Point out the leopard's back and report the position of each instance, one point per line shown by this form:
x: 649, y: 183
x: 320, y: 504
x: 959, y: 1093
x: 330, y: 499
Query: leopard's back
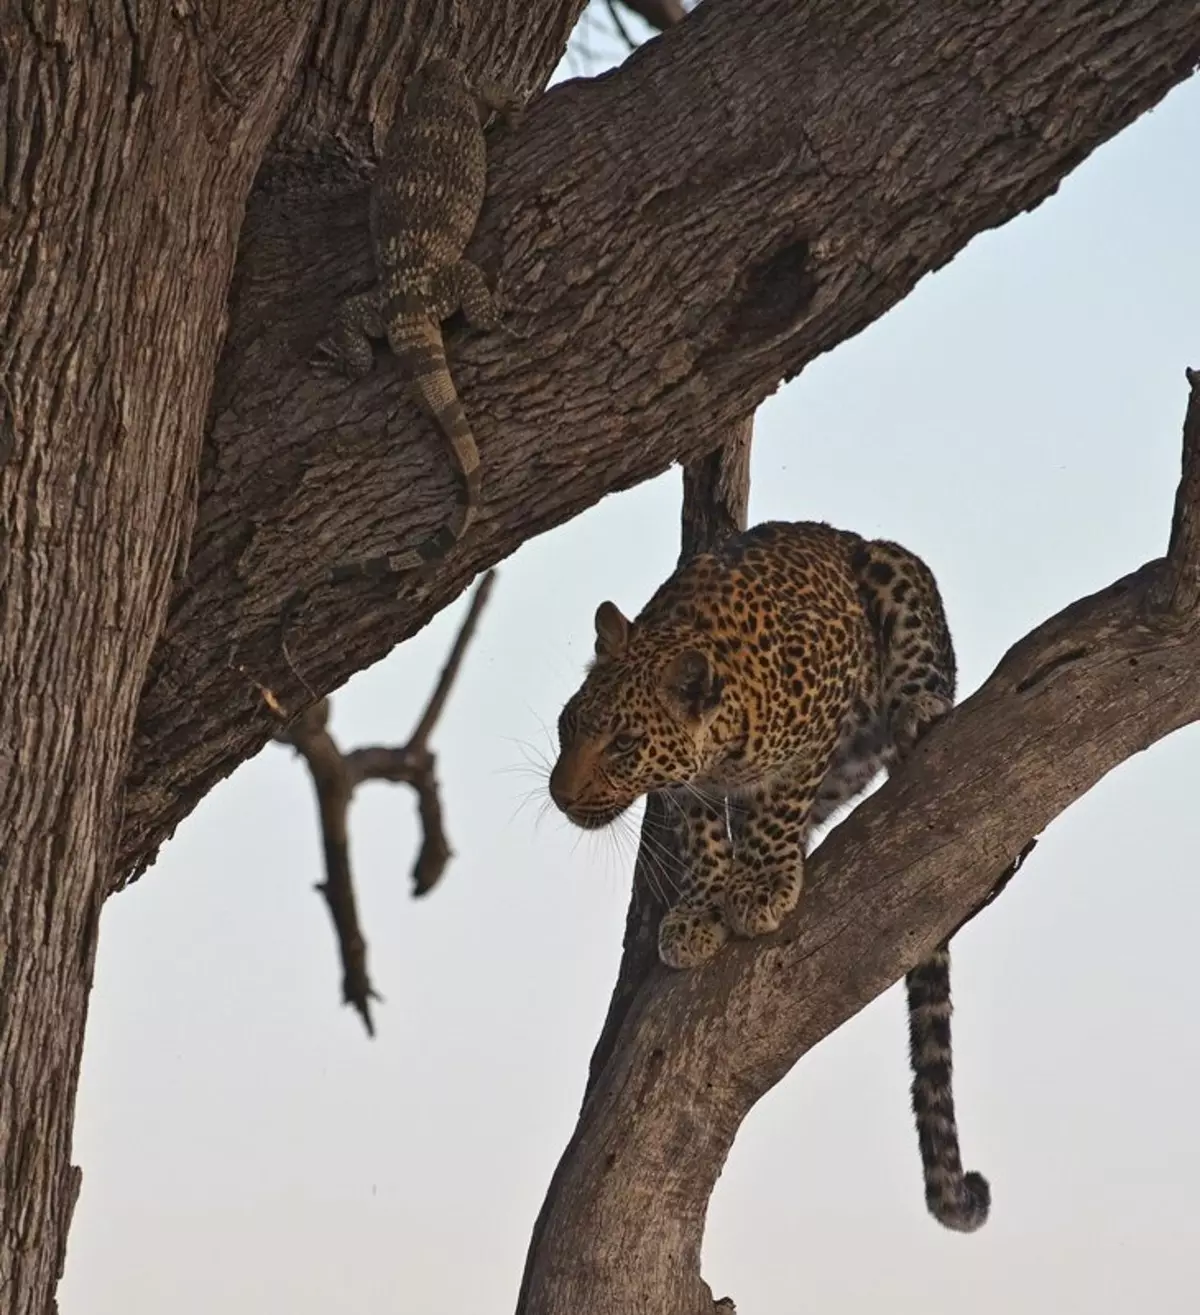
x: 779, y: 610
x: 914, y: 674
x: 833, y: 647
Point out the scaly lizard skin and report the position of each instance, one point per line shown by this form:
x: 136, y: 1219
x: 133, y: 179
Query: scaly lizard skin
x: 424, y: 206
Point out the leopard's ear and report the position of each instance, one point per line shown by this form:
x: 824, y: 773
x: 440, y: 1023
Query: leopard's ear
x: 692, y: 683
x: 612, y: 631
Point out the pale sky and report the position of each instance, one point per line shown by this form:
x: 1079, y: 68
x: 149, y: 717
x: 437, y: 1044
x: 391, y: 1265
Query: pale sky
x: 1016, y: 421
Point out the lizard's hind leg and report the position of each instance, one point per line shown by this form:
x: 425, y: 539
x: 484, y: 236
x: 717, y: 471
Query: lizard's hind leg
x: 461, y: 286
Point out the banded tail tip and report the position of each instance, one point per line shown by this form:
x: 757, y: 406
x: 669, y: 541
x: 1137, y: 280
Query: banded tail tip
x: 964, y: 1210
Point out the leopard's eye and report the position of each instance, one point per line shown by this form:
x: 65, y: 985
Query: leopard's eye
x: 624, y: 743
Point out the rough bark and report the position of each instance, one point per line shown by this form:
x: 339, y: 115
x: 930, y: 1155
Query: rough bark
x: 685, y: 1056
x: 129, y: 140
x: 671, y: 240
x: 129, y: 146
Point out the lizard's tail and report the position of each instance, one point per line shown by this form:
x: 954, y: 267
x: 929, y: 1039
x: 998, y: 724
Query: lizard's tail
x: 956, y: 1199
x: 418, y: 346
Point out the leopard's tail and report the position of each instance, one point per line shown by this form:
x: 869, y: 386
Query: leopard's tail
x: 417, y: 343
x: 956, y: 1199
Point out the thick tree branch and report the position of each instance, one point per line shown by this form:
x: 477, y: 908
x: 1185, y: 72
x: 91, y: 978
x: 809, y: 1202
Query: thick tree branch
x: 336, y: 775
x: 670, y: 241
x: 694, y: 1052
x: 998, y: 887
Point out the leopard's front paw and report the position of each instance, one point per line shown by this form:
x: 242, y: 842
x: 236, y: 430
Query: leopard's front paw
x: 915, y: 717
x: 756, y: 908
x: 688, y: 936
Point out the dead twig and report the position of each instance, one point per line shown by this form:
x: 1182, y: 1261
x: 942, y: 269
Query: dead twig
x: 336, y: 775
x: 441, y: 691
x: 622, y: 30
x: 660, y: 14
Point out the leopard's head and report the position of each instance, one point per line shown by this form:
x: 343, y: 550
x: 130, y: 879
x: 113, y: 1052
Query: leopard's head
x: 639, y: 722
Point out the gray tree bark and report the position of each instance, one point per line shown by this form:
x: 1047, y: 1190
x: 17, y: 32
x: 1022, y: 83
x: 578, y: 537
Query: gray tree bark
x: 182, y: 198
x: 128, y: 154
x: 129, y: 140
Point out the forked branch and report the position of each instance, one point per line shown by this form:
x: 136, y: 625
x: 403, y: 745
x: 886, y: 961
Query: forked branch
x: 684, y: 1057
x: 335, y: 777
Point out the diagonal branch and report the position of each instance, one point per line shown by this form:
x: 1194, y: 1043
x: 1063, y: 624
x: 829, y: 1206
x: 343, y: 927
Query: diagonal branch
x: 998, y: 887
x: 669, y: 241
x: 716, y: 497
x: 336, y: 775
x: 693, y: 1052
x: 1179, y: 590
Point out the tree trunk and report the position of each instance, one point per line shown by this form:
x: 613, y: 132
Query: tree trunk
x: 129, y: 152
x: 128, y: 144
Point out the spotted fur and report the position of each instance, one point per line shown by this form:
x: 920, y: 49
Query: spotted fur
x: 424, y: 206
x: 763, y: 687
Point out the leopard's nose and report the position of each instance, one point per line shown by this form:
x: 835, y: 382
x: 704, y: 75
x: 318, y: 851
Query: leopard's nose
x: 562, y: 789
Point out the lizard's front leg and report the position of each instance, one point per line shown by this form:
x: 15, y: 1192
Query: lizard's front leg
x: 693, y: 930
x: 347, y: 345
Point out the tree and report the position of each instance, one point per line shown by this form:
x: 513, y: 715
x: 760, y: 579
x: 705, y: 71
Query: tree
x: 172, y: 470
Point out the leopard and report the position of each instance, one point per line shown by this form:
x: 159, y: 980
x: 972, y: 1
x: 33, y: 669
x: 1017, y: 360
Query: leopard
x: 765, y: 685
